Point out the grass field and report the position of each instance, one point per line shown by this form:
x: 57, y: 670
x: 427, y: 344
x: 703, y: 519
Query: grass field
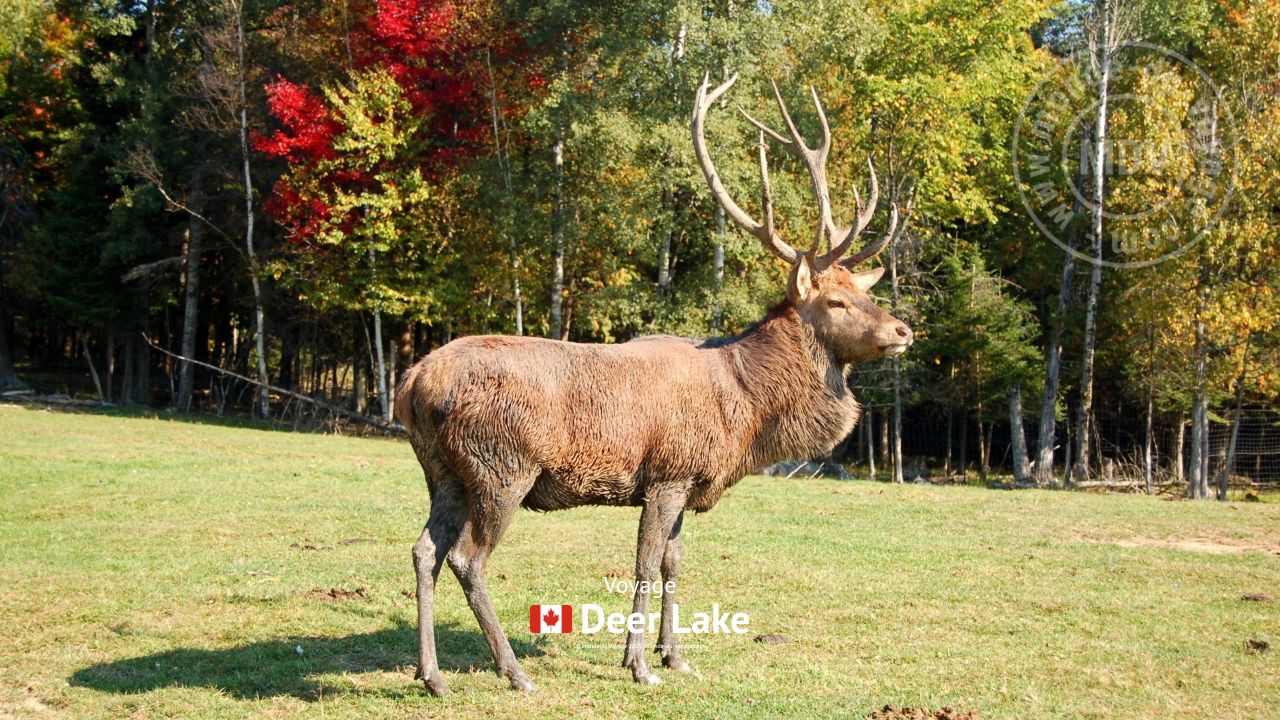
x: 155, y: 568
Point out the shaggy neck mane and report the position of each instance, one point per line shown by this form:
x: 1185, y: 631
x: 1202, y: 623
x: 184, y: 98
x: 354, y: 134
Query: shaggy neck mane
x: 799, y: 404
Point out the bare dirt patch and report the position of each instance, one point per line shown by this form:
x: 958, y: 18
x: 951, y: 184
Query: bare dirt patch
x: 1211, y: 545
x: 338, y: 594
x: 1258, y: 597
x: 889, y: 712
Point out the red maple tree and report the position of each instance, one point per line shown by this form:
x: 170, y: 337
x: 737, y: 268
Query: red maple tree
x: 434, y: 51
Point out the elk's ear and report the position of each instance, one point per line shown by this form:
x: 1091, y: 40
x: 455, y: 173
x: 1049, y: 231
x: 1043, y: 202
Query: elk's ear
x: 864, y: 281
x: 801, y: 284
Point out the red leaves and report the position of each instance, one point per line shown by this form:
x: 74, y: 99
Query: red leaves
x: 429, y: 48
x: 307, y: 126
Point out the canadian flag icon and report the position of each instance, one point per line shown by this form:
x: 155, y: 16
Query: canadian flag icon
x: 550, y: 618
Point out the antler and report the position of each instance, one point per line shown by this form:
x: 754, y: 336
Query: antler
x: 815, y: 160
x: 763, y: 232
x: 874, y: 249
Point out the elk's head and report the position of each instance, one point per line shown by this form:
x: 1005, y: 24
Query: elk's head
x: 824, y: 290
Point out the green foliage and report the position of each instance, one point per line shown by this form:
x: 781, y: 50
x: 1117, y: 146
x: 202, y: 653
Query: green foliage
x: 976, y: 338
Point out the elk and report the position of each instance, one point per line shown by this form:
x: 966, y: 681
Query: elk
x: 666, y: 424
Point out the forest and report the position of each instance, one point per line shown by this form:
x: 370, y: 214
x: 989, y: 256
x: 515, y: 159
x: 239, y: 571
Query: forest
x: 271, y: 208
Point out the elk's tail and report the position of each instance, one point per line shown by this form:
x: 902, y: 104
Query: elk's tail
x: 407, y: 393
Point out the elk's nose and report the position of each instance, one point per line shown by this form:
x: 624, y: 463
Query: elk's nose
x: 904, y: 332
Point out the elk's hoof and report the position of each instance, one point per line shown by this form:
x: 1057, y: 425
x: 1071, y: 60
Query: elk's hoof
x: 523, y: 684
x: 676, y: 664
x: 436, y: 685
x: 648, y: 679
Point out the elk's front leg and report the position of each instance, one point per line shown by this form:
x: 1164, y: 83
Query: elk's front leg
x: 667, y: 647
x: 661, y: 512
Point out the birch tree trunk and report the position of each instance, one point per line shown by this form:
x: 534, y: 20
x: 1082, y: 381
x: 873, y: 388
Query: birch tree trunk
x: 897, y: 367
x: 259, y: 319
x: 1021, y: 473
x: 191, y: 298
x: 664, y: 247
x: 1103, y: 45
x: 556, y: 324
x: 871, y: 444
x: 384, y: 402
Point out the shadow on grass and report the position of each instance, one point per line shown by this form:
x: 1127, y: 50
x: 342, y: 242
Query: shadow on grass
x: 274, y: 667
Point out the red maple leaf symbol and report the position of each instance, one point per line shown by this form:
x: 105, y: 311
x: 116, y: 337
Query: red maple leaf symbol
x: 550, y: 617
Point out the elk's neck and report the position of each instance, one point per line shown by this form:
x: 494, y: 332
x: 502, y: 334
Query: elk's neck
x: 797, y: 397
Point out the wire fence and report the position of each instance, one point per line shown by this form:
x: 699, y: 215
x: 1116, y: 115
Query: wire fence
x: 948, y: 443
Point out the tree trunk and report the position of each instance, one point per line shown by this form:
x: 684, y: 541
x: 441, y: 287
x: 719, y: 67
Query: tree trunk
x: 1021, y: 473
x: 191, y: 295
x: 141, y: 392
x: 1148, y: 460
x: 897, y: 366
x: 964, y: 445
x: 8, y: 375
x: 126, y: 382
x: 871, y: 445
x: 886, y: 458
x: 359, y: 388
x: 111, y: 364
x: 1179, y: 459
x: 384, y: 398
x: 555, y: 330
x: 504, y: 164
x: 1228, y: 462
x: 946, y: 463
x: 717, y: 271
x: 1103, y: 45
x: 259, y: 321
x: 93, y: 370
x: 1198, y: 487
x: 984, y: 452
x: 664, y: 248
x: 1052, y: 369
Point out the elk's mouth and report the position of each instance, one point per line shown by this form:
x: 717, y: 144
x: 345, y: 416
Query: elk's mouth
x: 897, y: 349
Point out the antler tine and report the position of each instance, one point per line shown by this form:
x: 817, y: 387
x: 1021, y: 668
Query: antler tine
x: 786, y: 142
x: 871, y: 251
x: 847, y: 236
x: 825, y: 147
x: 764, y: 233
x: 766, y: 192
x: 786, y: 118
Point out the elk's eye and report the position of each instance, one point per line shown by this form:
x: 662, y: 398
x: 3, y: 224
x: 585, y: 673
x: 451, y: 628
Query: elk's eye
x: 836, y: 304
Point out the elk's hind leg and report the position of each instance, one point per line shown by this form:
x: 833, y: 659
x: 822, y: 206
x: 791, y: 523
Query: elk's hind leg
x: 667, y: 647
x: 489, y: 513
x: 662, y: 510
x: 448, y: 512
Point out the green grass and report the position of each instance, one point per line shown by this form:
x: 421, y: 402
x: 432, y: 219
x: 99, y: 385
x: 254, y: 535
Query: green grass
x: 148, y: 568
